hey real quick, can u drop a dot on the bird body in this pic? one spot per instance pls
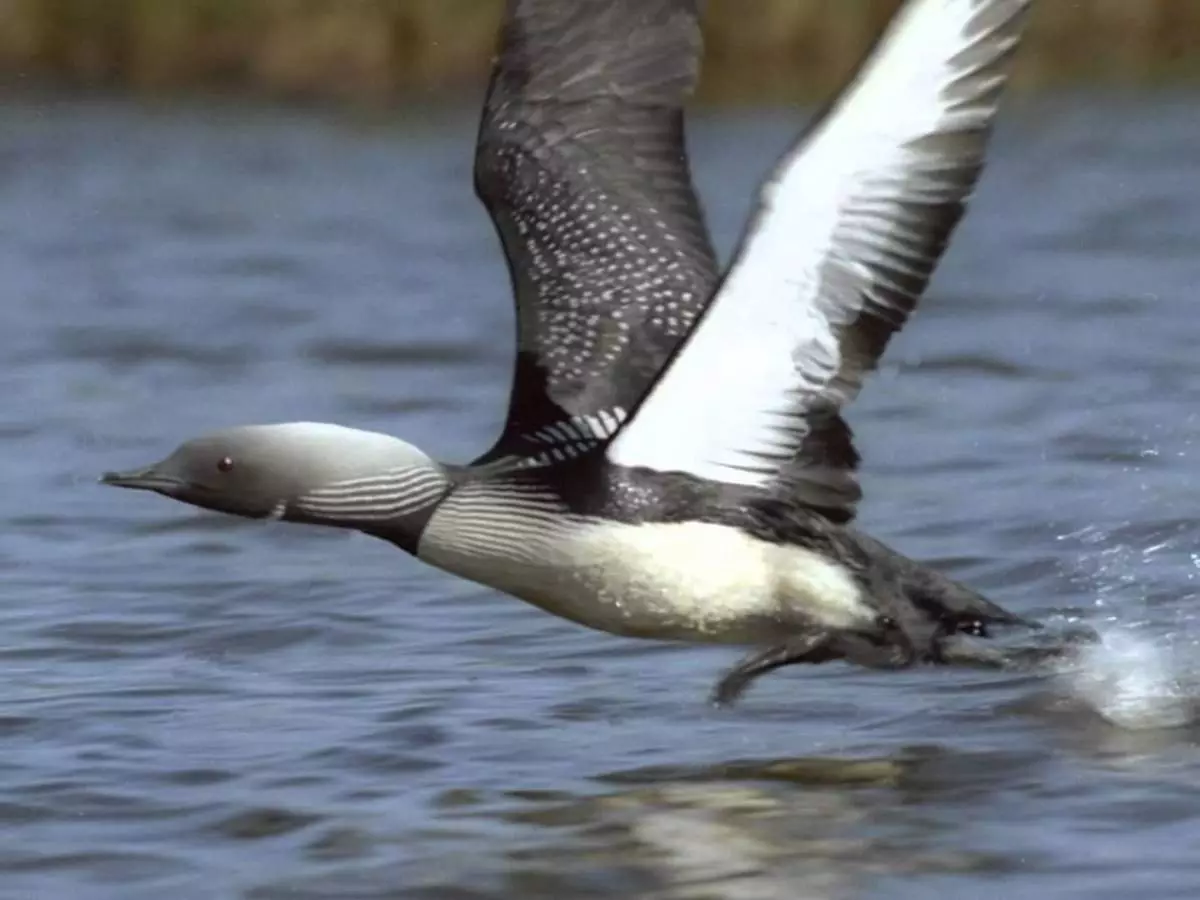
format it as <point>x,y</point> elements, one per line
<point>674,463</point>
<point>690,580</point>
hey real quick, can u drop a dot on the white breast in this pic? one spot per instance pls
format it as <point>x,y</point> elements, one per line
<point>683,581</point>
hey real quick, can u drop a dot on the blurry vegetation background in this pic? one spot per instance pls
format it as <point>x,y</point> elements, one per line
<point>371,51</point>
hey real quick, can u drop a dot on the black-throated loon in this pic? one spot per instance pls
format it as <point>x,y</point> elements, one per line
<point>674,463</point>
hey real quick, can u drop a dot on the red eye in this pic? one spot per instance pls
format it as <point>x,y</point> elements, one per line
<point>225,464</point>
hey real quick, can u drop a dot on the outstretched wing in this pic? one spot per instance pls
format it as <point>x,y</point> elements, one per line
<point>582,165</point>
<point>847,234</point>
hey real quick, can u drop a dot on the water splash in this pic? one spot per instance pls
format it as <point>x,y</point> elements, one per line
<point>1144,672</point>
<point>1134,680</point>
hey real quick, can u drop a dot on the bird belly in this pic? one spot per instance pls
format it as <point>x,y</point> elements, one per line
<point>691,581</point>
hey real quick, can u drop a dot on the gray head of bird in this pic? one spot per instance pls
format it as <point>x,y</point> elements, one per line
<point>299,471</point>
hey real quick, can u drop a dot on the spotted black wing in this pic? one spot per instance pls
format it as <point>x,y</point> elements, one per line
<point>581,163</point>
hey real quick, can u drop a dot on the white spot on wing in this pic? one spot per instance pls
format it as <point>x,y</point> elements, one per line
<point>569,438</point>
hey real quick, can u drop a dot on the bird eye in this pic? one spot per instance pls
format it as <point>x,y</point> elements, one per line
<point>225,464</point>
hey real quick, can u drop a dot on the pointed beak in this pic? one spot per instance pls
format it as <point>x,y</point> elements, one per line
<point>146,479</point>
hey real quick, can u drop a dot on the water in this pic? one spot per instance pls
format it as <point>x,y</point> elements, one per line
<point>198,707</point>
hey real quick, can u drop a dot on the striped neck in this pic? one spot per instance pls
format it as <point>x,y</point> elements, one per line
<point>394,504</point>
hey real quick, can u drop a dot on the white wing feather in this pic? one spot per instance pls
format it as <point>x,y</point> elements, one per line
<point>849,228</point>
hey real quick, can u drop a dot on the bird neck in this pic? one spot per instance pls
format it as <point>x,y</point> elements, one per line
<point>394,504</point>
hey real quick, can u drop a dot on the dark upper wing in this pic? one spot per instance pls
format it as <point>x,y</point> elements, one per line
<point>581,164</point>
<point>848,231</point>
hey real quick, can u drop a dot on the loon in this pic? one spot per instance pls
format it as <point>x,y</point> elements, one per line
<point>674,463</point>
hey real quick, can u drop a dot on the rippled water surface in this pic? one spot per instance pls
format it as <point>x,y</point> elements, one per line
<point>198,707</point>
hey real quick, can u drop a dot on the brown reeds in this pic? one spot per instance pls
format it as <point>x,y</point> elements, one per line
<point>372,50</point>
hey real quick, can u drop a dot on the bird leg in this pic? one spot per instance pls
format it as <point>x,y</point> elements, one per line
<point>889,651</point>
<point>813,647</point>
<point>892,651</point>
